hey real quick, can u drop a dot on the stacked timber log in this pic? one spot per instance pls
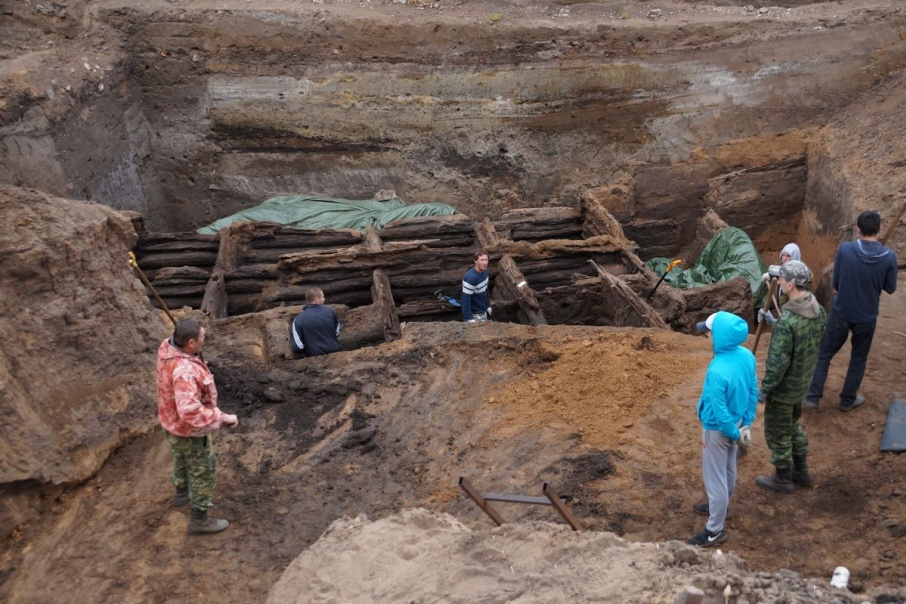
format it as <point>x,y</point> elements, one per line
<point>251,272</point>
<point>548,265</point>
<point>413,270</point>
<point>178,265</point>
<point>539,224</point>
<point>456,230</point>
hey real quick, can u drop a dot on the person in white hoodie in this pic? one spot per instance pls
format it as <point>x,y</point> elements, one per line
<point>789,252</point>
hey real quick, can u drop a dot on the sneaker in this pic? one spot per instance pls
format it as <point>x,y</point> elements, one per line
<point>708,539</point>
<point>809,403</point>
<point>860,400</point>
<point>705,509</point>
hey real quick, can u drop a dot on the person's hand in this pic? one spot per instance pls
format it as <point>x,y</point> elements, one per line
<point>745,436</point>
<point>766,277</point>
<point>766,316</point>
<point>230,419</point>
<point>762,397</point>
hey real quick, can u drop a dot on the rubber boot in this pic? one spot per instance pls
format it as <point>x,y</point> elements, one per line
<point>200,524</point>
<point>181,497</point>
<point>800,471</point>
<point>781,481</point>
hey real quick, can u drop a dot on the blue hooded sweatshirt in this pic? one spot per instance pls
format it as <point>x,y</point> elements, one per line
<point>861,270</point>
<point>730,392</point>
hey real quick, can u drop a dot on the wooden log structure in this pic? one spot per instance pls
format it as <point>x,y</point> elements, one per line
<point>632,301</point>
<point>178,265</point>
<point>428,310</point>
<point>538,224</point>
<point>510,284</point>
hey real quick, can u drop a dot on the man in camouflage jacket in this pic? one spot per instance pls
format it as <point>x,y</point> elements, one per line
<point>790,363</point>
<point>188,412</point>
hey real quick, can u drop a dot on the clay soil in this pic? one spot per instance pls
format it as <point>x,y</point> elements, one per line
<point>605,415</point>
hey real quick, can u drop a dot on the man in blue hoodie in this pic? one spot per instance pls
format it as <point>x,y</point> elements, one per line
<point>862,269</point>
<point>726,409</point>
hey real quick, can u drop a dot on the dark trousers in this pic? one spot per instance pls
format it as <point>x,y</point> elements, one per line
<point>835,333</point>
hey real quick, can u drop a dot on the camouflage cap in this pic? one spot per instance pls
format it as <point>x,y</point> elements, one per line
<point>795,272</point>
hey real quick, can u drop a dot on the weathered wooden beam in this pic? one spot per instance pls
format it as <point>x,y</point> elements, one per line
<point>183,258</point>
<point>486,234</point>
<point>371,241</point>
<point>549,215</point>
<point>599,221</point>
<point>510,282</point>
<point>176,238</point>
<point>215,303</point>
<point>382,297</point>
<point>617,287</point>
<point>423,310</point>
<point>426,226</point>
<point>148,248</point>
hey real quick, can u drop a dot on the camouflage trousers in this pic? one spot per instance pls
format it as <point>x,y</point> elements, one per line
<point>194,466</point>
<point>783,433</point>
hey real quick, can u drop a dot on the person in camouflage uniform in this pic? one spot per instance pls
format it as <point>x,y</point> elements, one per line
<point>187,410</point>
<point>788,372</point>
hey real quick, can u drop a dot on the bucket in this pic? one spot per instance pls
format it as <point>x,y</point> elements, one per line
<point>840,578</point>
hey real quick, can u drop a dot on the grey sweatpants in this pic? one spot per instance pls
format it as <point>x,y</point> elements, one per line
<point>719,474</point>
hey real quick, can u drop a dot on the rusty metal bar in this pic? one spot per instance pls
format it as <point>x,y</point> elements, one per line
<point>481,501</point>
<point>517,499</point>
<point>560,507</point>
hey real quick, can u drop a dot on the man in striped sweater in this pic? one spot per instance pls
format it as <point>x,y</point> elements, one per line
<point>476,300</point>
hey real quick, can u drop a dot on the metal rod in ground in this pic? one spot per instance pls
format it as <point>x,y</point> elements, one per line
<point>560,507</point>
<point>481,501</point>
<point>141,275</point>
<point>659,281</point>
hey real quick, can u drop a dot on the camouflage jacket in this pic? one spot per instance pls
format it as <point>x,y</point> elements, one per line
<point>794,350</point>
<point>186,394</point>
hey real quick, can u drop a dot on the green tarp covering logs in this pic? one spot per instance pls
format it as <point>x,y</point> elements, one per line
<point>729,254</point>
<point>303,212</point>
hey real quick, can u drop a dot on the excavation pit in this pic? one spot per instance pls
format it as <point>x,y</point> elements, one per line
<point>569,133</point>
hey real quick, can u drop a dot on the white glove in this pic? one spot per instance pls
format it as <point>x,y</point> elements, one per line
<point>766,316</point>
<point>489,311</point>
<point>745,436</point>
<point>766,277</point>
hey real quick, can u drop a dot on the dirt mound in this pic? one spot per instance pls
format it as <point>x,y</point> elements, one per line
<point>421,556</point>
<point>78,342</point>
<point>603,384</point>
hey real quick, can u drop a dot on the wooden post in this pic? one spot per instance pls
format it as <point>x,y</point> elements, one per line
<point>512,284</point>
<point>383,301</point>
<point>215,300</point>
<point>372,240</point>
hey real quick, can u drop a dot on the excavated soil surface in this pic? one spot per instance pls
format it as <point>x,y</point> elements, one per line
<point>605,415</point>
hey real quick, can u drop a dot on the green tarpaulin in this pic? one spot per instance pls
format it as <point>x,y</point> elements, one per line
<point>303,212</point>
<point>729,254</point>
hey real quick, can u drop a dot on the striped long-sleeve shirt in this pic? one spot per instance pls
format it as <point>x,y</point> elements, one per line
<point>475,296</point>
